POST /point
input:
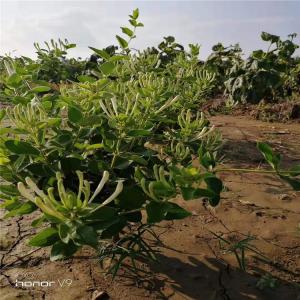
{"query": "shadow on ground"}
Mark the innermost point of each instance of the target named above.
(214, 279)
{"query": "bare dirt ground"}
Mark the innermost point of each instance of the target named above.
(192, 263)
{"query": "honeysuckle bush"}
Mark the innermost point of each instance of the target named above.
(74, 215)
(53, 64)
(21, 78)
(19, 83)
(115, 137)
(133, 120)
(91, 174)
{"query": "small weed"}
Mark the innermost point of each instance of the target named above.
(266, 281)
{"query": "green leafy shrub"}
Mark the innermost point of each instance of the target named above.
(221, 61)
(114, 137)
(265, 75)
(19, 83)
(23, 78)
(75, 221)
(131, 121)
(54, 66)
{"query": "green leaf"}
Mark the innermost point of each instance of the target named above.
(101, 53)
(40, 89)
(135, 13)
(118, 58)
(20, 147)
(107, 68)
(132, 197)
(138, 159)
(64, 233)
(86, 78)
(156, 211)
(54, 121)
(122, 163)
(70, 46)
(10, 204)
(69, 164)
(207, 160)
(175, 212)
(88, 236)
(14, 80)
(294, 183)
(6, 174)
(20, 162)
(2, 114)
(122, 42)
(127, 31)
(271, 158)
(101, 226)
(94, 146)
(161, 190)
(74, 114)
(24, 209)
(92, 120)
(61, 250)
(39, 221)
(139, 133)
(3, 160)
(9, 189)
(20, 100)
(189, 193)
(133, 22)
(44, 238)
(114, 228)
(40, 169)
(214, 184)
(64, 138)
(214, 200)
(88, 147)
(295, 171)
(5, 130)
(269, 37)
(134, 216)
(169, 39)
(102, 214)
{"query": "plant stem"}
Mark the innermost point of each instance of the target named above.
(116, 154)
(131, 211)
(256, 171)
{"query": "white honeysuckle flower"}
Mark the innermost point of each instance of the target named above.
(114, 104)
(167, 104)
(80, 178)
(68, 200)
(114, 195)
(104, 108)
(104, 179)
(134, 105)
(205, 131)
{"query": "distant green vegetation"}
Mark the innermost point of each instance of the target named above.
(265, 75)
